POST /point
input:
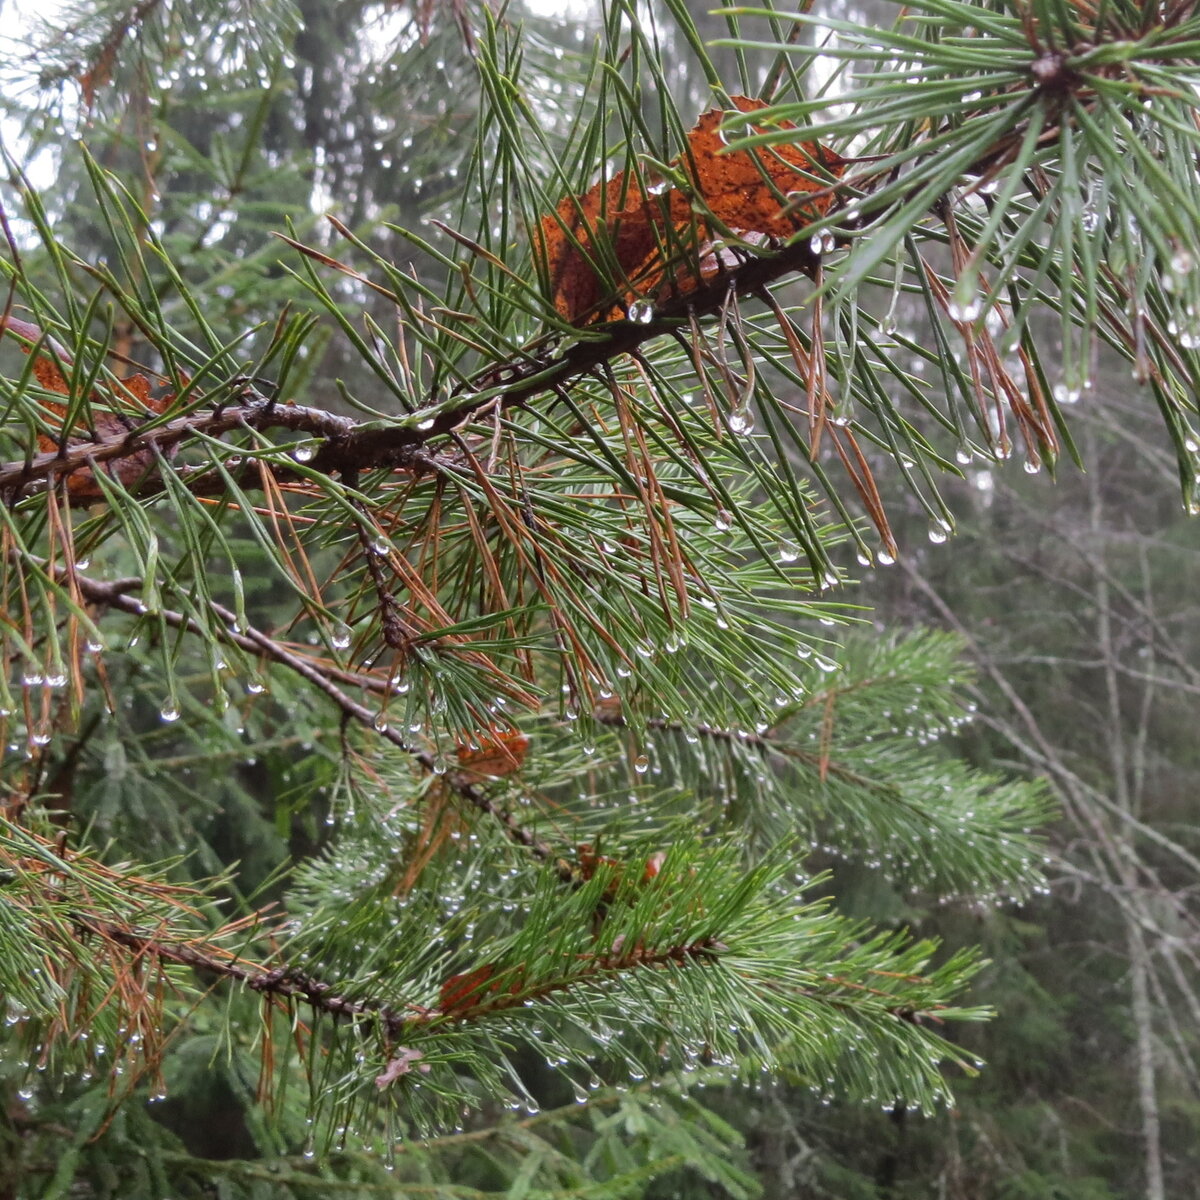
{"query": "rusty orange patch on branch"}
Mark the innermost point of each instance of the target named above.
(121, 405)
(647, 236)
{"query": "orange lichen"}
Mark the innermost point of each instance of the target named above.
(654, 239)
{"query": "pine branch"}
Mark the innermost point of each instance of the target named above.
(115, 594)
(283, 982)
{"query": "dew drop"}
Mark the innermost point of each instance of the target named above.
(741, 420)
(640, 312)
(169, 712)
(724, 521)
(305, 453)
(964, 311)
(340, 637)
(788, 552)
(641, 764)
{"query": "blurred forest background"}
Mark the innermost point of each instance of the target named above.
(1077, 596)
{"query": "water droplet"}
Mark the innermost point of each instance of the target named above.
(641, 764)
(380, 722)
(724, 521)
(340, 637)
(741, 420)
(884, 559)
(1182, 261)
(304, 453)
(788, 552)
(640, 312)
(1032, 466)
(256, 689)
(964, 310)
(169, 712)
(1064, 394)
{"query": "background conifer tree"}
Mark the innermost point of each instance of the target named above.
(426, 723)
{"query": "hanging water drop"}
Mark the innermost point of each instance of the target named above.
(964, 310)
(340, 637)
(169, 712)
(640, 312)
(304, 453)
(788, 552)
(741, 419)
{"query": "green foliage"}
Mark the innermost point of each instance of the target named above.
(422, 704)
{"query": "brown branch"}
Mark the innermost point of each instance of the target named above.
(256, 412)
(491, 999)
(115, 594)
(356, 446)
(285, 982)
